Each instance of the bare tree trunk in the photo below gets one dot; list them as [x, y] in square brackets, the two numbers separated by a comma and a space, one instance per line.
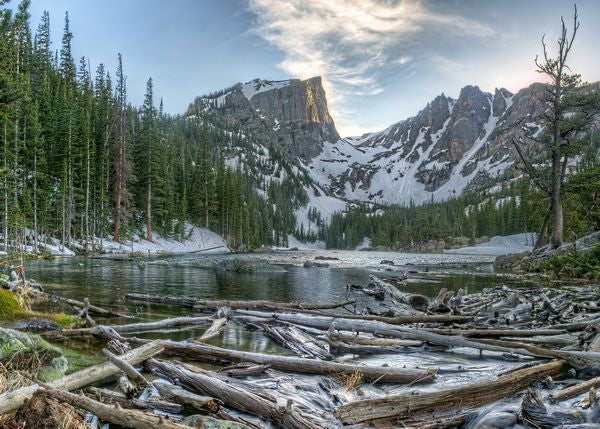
[149, 212]
[557, 210]
[542, 236]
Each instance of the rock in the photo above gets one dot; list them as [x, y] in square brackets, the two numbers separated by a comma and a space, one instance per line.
[386, 262]
[18, 347]
[509, 262]
[240, 265]
[326, 258]
[291, 115]
[308, 264]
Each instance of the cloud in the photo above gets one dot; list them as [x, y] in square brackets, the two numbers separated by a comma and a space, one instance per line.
[352, 44]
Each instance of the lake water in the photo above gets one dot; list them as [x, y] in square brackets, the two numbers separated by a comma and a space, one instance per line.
[282, 277]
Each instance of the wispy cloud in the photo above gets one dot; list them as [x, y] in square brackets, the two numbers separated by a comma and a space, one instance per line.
[350, 43]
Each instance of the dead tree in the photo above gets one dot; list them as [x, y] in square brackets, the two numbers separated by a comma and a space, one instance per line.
[571, 109]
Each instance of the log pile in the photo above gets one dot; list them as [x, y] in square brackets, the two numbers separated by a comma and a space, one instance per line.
[550, 334]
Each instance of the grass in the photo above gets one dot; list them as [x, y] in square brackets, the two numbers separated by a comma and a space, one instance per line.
[574, 265]
[350, 382]
[15, 307]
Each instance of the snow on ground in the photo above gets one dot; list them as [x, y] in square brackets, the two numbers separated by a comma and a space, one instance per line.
[500, 245]
[198, 240]
[326, 205]
[294, 243]
[364, 245]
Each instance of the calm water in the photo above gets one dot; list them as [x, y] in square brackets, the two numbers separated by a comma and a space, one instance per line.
[279, 277]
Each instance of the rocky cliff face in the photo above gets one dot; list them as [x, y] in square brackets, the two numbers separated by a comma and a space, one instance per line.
[450, 146]
[291, 115]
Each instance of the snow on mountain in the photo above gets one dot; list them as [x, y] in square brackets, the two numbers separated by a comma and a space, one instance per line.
[256, 86]
[450, 146]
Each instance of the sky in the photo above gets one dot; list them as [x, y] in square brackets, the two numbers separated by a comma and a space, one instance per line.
[381, 60]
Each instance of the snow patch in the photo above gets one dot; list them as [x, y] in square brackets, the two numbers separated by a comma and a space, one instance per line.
[500, 245]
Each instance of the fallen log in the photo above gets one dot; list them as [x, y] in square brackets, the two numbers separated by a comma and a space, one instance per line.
[495, 333]
[301, 343]
[575, 358]
[132, 373]
[134, 328]
[234, 305]
[221, 317]
[417, 304]
[105, 395]
[234, 395]
[181, 396]
[115, 414]
[81, 305]
[209, 353]
[572, 391]
[397, 320]
[10, 401]
[436, 404]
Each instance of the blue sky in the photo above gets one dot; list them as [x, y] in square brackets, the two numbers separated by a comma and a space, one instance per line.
[381, 60]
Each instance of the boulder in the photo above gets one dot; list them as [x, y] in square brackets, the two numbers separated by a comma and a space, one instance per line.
[20, 348]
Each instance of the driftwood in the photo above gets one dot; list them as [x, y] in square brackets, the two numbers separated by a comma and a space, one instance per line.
[571, 391]
[407, 303]
[434, 404]
[533, 412]
[234, 305]
[205, 352]
[577, 359]
[105, 395]
[220, 320]
[296, 340]
[80, 305]
[175, 323]
[115, 414]
[84, 314]
[184, 397]
[234, 395]
[243, 369]
[12, 400]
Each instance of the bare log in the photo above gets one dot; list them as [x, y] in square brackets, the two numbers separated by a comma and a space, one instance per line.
[132, 373]
[209, 353]
[435, 404]
[184, 397]
[572, 391]
[417, 302]
[234, 395]
[234, 305]
[12, 400]
[221, 317]
[80, 305]
[296, 340]
[134, 328]
[577, 359]
[115, 414]
[105, 395]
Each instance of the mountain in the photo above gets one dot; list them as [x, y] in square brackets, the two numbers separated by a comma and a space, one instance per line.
[450, 146]
[290, 115]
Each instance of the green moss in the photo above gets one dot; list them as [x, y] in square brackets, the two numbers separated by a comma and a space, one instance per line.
[65, 320]
[10, 309]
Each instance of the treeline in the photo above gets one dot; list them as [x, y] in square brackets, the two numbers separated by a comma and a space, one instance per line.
[80, 163]
[513, 207]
